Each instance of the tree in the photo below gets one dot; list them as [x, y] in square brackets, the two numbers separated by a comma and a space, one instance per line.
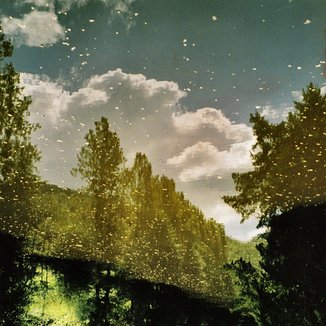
[288, 160]
[290, 285]
[17, 154]
[18, 184]
[99, 164]
[287, 187]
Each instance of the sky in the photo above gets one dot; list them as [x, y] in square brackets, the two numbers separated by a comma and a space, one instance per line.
[177, 80]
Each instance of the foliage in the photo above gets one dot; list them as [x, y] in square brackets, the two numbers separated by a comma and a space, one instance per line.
[169, 240]
[68, 299]
[288, 160]
[289, 287]
[17, 154]
[246, 250]
[16, 273]
[99, 163]
[17, 186]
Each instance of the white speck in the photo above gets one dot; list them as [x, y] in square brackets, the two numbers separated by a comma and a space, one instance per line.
[254, 69]
[59, 141]
[307, 21]
[289, 66]
[73, 48]
[214, 18]
[136, 14]
[299, 68]
[91, 20]
[84, 63]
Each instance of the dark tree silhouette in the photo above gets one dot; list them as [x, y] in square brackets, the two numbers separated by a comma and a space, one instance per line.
[288, 159]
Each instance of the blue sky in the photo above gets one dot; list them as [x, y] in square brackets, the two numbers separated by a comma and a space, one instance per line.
[177, 79]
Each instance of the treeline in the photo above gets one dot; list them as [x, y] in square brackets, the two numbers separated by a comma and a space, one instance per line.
[160, 236]
[287, 190]
[129, 220]
[124, 216]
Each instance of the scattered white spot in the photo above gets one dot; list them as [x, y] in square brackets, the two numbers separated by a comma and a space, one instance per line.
[307, 21]
[214, 18]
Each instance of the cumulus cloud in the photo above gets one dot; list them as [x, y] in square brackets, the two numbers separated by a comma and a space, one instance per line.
[139, 109]
[275, 114]
[230, 219]
[48, 97]
[40, 3]
[118, 8]
[323, 89]
[188, 146]
[199, 149]
[37, 28]
[64, 5]
[213, 120]
[204, 160]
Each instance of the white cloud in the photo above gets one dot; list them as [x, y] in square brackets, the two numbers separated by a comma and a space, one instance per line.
[49, 98]
[188, 146]
[121, 9]
[212, 120]
[231, 221]
[119, 5]
[40, 3]
[63, 5]
[204, 160]
[139, 109]
[297, 96]
[323, 89]
[195, 147]
[275, 114]
[35, 29]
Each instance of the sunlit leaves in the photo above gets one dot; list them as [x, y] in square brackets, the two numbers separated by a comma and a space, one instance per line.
[17, 154]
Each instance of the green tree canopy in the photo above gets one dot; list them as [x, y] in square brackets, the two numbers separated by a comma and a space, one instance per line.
[17, 154]
[99, 164]
[289, 160]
